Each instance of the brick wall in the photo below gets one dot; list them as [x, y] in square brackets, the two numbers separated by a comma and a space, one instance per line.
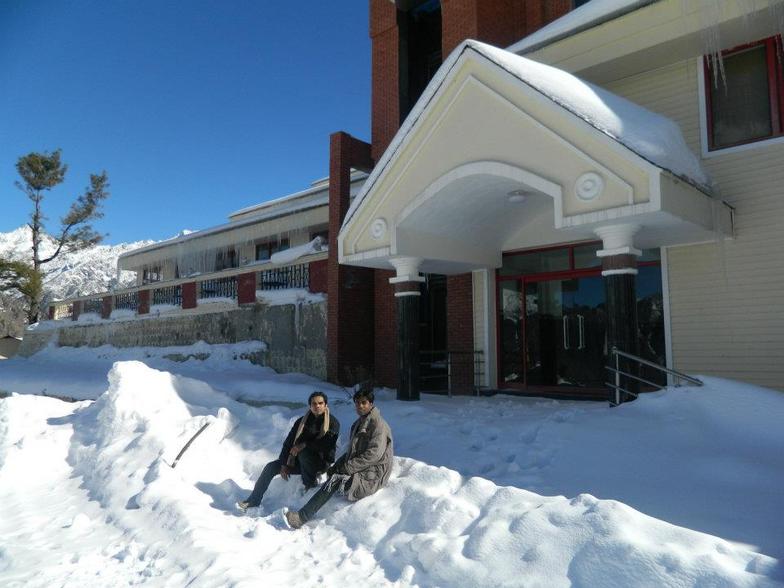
[385, 103]
[350, 290]
[385, 326]
[460, 331]
[498, 22]
[189, 295]
[246, 288]
[317, 272]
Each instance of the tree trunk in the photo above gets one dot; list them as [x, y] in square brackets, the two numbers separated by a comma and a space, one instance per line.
[34, 302]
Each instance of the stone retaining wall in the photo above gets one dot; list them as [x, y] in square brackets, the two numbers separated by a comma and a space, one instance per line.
[295, 334]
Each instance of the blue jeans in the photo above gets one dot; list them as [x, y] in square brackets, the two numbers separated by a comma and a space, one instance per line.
[308, 463]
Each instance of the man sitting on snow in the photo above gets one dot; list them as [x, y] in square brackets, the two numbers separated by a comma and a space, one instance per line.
[363, 469]
[308, 450]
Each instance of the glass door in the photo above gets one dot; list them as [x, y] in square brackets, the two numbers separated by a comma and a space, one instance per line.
[510, 330]
[565, 332]
[552, 324]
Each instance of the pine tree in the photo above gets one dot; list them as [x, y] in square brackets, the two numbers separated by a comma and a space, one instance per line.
[39, 173]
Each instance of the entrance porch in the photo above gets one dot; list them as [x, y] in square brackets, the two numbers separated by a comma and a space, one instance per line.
[489, 167]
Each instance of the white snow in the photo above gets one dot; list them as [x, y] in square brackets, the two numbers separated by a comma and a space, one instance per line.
[588, 15]
[79, 273]
[654, 137]
[289, 296]
[89, 317]
[317, 245]
[227, 300]
[680, 488]
[159, 309]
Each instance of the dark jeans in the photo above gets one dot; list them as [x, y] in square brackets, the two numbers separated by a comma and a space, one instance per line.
[318, 500]
[308, 464]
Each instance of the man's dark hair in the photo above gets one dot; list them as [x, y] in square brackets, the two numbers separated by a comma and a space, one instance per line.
[317, 393]
[364, 393]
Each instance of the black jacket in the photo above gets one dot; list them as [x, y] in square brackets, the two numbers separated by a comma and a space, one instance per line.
[324, 446]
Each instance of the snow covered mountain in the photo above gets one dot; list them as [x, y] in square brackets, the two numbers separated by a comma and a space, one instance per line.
[70, 274]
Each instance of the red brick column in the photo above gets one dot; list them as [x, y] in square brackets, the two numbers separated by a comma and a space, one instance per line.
[317, 276]
[385, 328]
[460, 331]
[498, 22]
[349, 289]
[189, 295]
[77, 310]
[106, 307]
[385, 91]
[144, 302]
[246, 288]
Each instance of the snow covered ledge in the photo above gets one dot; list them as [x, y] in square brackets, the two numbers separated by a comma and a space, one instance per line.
[501, 152]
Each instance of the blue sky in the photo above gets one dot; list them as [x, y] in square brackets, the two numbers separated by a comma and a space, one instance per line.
[194, 108]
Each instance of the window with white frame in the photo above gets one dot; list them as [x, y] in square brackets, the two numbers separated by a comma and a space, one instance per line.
[745, 94]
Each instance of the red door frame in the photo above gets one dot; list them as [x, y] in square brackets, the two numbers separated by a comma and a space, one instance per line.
[524, 279]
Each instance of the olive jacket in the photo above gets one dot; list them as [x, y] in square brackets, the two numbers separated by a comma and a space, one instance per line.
[369, 457]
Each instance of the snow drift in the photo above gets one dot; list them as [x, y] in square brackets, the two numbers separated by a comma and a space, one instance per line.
[431, 526]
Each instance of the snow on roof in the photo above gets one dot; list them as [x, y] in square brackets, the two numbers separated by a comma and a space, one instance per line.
[585, 17]
[649, 135]
[293, 207]
[313, 197]
[316, 187]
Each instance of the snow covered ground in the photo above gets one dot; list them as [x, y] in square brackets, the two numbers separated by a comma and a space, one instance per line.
[681, 488]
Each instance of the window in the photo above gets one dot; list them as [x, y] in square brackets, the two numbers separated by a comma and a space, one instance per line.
[225, 259]
[323, 234]
[744, 103]
[265, 250]
[151, 274]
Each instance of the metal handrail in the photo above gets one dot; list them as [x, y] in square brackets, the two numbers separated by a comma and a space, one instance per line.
[616, 386]
[448, 355]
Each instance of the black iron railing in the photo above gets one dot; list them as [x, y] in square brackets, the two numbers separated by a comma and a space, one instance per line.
[451, 371]
[292, 276]
[93, 305]
[169, 295]
[127, 301]
[219, 288]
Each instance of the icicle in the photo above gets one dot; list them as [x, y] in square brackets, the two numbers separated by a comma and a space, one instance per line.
[711, 38]
[776, 13]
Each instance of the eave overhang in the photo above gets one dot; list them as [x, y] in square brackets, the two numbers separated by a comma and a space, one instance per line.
[479, 139]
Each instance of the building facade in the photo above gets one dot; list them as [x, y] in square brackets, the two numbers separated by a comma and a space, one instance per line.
[544, 181]
[543, 232]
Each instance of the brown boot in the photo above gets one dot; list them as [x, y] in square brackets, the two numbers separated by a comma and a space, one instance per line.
[293, 520]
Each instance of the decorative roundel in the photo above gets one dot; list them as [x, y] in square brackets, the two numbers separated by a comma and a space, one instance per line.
[589, 186]
[378, 228]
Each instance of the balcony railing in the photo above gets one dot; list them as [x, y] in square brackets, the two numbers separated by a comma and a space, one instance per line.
[93, 306]
[218, 288]
[127, 301]
[293, 276]
[236, 284]
[170, 295]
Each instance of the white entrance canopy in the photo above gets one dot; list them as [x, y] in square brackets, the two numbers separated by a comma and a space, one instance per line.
[504, 153]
